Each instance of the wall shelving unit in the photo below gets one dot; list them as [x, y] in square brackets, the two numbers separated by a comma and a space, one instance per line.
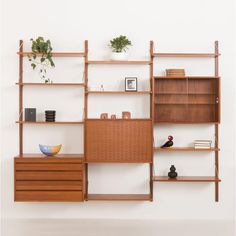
[106, 140]
[190, 100]
[173, 100]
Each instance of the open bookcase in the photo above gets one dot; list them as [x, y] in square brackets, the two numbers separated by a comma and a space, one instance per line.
[189, 100]
[173, 100]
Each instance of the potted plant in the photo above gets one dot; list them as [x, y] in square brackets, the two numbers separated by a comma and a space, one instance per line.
[41, 57]
[119, 45]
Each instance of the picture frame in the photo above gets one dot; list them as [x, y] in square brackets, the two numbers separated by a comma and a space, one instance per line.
[131, 84]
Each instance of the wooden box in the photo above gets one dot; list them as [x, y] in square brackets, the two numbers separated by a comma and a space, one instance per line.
[47, 179]
[120, 140]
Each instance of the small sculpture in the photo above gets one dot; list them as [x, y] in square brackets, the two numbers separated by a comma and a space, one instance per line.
[113, 116]
[126, 115]
[104, 116]
[169, 143]
[172, 173]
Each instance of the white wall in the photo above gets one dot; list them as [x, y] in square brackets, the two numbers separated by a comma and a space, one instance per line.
[174, 26]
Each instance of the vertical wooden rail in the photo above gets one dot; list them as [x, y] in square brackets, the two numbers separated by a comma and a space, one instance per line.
[20, 99]
[152, 113]
[217, 128]
[85, 112]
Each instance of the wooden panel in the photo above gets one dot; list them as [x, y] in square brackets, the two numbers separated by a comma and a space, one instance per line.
[49, 185]
[185, 149]
[119, 197]
[49, 196]
[48, 175]
[118, 141]
[171, 113]
[40, 158]
[49, 166]
[186, 179]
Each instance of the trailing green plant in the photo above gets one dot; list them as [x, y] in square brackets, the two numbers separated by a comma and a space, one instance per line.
[41, 57]
[120, 44]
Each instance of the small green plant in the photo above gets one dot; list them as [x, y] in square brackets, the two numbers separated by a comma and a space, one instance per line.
[120, 44]
[41, 57]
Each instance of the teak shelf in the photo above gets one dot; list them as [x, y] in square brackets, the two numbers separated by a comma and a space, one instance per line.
[55, 54]
[119, 197]
[186, 179]
[51, 123]
[185, 100]
[50, 84]
[185, 149]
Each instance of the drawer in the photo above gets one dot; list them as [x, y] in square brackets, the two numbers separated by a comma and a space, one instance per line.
[48, 185]
[49, 196]
[50, 179]
[49, 166]
[48, 175]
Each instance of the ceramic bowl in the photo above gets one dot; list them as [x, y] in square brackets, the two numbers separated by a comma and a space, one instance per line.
[49, 150]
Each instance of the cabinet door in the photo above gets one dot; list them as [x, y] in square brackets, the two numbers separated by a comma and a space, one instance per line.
[123, 141]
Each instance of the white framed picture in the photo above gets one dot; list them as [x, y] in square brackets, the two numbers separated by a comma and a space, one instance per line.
[131, 84]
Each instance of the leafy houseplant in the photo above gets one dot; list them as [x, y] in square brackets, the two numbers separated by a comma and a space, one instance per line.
[119, 45]
[41, 56]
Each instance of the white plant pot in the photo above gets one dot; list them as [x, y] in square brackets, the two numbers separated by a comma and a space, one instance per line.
[119, 56]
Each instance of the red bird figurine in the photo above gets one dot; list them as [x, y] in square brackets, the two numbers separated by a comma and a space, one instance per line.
[169, 143]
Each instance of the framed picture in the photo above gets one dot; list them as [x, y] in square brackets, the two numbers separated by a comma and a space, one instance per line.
[131, 84]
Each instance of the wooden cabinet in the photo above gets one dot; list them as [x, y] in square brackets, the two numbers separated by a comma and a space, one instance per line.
[123, 141]
[45, 179]
[187, 99]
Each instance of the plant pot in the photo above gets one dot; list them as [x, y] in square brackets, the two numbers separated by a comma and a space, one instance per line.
[119, 56]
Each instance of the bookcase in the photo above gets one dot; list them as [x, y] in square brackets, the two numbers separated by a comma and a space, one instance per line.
[172, 100]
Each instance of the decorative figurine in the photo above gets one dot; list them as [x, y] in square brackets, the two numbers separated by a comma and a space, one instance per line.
[169, 143]
[172, 173]
[126, 115]
[104, 116]
[113, 116]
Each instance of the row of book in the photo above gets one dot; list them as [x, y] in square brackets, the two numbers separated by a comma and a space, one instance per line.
[202, 144]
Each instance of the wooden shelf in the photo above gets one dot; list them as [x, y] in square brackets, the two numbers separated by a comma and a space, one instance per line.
[185, 55]
[120, 119]
[185, 149]
[186, 77]
[185, 122]
[51, 84]
[175, 93]
[186, 179]
[133, 62]
[58, 156]
[51, 123]
[119, 197]
[166, 104]
[118, 92]
[56, 54]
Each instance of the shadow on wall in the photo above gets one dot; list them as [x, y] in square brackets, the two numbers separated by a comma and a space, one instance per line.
[108, 227]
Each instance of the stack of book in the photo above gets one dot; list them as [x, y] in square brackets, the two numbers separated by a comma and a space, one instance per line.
[204, 144]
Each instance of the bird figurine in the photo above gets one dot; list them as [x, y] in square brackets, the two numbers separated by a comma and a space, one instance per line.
[169, 143]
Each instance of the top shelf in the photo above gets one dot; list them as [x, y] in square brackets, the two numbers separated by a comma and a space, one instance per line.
[186, 77]
[212, 55]
[56, 54]
[109, 62]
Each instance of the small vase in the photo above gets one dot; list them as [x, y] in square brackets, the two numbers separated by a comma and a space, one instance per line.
[119, 56]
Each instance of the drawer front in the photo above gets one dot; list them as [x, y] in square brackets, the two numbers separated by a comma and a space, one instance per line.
[48, 185]
[49, 180]
[48, 175]
[49, 196]
[49, 166]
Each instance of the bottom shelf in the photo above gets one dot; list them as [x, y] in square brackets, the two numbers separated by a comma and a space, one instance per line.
[119, 197]
[186, 179]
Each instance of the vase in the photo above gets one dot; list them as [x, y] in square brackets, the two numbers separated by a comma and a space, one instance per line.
[119, 56]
